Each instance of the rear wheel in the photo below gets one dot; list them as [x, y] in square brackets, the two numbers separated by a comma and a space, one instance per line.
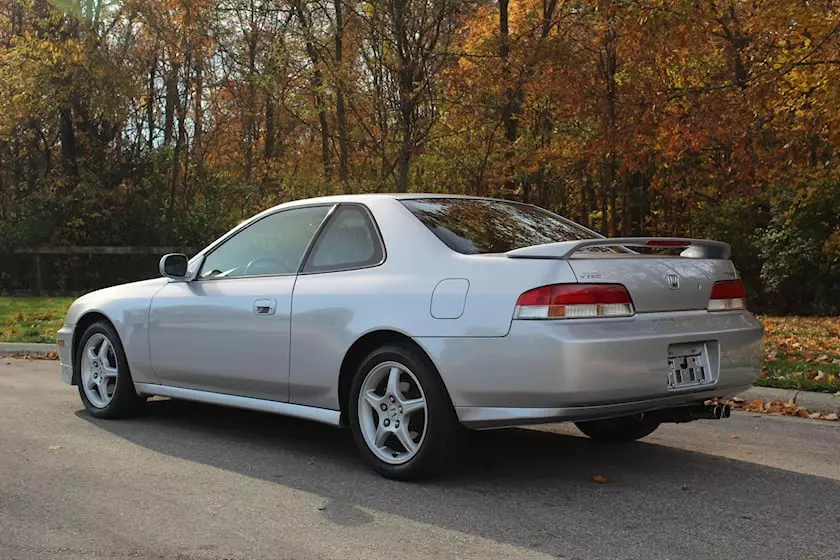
[105, 384]
[623, 428]
[400, 414]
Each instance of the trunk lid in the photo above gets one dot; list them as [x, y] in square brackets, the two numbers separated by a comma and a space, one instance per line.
[655, 283]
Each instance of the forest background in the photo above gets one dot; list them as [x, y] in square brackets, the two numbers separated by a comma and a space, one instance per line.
[165, 122]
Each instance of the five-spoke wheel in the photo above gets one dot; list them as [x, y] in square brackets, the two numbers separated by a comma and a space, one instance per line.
[102, 374]
[392, 412]
[400, 414]
[99, 370]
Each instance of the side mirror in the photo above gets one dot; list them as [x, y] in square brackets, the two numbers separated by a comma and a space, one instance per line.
[174, 265]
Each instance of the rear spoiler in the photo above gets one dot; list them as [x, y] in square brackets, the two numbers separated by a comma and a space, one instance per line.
[695, 248]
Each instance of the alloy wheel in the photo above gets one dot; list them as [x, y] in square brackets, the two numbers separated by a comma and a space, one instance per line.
[392, 413]
[99, 370]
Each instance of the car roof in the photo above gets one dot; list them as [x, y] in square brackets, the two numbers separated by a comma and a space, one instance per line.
[367, 197]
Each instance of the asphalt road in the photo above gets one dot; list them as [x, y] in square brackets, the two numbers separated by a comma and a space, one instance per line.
[190, 481]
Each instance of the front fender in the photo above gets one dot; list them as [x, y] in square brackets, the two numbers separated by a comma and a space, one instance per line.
[126, 307]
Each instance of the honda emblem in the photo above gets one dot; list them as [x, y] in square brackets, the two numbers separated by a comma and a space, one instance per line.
[673, 281]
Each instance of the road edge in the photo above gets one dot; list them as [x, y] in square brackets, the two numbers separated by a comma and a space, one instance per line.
[826, 403]
[26, 348]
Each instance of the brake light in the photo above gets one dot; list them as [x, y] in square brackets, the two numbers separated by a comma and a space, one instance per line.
[727, 295]
[574, 301]
[667, 243]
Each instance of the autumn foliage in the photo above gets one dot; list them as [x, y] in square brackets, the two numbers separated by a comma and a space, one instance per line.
[700, 118]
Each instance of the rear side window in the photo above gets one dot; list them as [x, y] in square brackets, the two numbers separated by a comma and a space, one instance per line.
[350, 240]
[476, 226]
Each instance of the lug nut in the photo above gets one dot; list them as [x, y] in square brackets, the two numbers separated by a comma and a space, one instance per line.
[386, 422]
[383, 407]
[397, 424]
[392, 399]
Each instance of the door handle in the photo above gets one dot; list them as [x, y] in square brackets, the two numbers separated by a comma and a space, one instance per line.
[264, 307]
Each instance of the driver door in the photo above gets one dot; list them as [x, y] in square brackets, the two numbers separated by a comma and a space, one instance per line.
[228, 330]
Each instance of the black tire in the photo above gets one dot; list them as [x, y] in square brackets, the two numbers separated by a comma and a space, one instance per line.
[125, 402]
[623, 428]
[442, 429]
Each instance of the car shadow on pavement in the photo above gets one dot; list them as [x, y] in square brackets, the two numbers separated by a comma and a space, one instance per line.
[530, 488]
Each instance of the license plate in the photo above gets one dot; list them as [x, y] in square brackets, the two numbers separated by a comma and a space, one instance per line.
[688, 366]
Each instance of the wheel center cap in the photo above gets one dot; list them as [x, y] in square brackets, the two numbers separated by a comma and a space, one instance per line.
[393, 412]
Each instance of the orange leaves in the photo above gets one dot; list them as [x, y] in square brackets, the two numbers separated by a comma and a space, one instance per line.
[602, 479]
[779, 407]
[813, 338]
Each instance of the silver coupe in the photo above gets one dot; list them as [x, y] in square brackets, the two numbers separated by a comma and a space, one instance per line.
[408, 318]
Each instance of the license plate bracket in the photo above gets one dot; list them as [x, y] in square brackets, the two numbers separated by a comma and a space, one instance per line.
[688, 366]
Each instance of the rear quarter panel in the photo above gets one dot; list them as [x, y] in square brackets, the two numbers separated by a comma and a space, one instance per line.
[330, 311]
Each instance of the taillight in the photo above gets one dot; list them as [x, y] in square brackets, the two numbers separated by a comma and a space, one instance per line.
[667, 243]
[574, 301]
[727, 295]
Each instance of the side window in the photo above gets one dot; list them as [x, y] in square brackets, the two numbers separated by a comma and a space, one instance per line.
[350, 240]
[273, 245]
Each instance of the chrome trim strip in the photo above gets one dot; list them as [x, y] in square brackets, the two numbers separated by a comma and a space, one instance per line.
[323, 415]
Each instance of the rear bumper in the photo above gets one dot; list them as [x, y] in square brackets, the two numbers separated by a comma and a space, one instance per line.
[482, 417]
[578, 370]
[64, 340]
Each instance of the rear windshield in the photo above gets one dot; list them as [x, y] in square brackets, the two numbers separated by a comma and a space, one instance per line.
[477, 226]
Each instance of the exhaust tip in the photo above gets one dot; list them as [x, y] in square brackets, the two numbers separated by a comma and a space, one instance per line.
[727, 411]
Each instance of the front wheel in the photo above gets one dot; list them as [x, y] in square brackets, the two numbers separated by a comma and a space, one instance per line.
[623, 428]
[400, 414]
[105, 384]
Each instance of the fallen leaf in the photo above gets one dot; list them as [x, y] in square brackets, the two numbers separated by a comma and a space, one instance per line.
[53, 447]
[601, 479]
[735, 436]
[814, 415]
[832, 416]
[822, 358]
[821, 376]
[754, 406]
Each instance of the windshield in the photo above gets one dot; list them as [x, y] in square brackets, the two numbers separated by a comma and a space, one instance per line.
[477, 226]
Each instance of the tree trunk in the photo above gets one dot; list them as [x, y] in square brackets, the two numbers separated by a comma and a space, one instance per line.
[404, 163]
[176, 168]
[316, 81]
[198, 115]
[340, 110]
[510, 104]
[609, 67]
[268, 146]
[67, 137]
[407, 103]
[150, 103]
[171, 102]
